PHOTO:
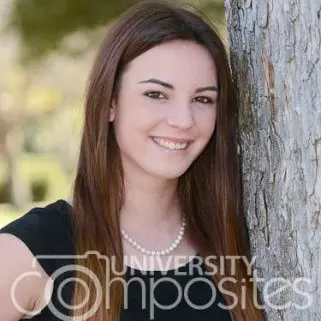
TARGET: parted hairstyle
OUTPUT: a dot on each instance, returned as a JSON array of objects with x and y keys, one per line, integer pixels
[{"x": 209, "y": 191}]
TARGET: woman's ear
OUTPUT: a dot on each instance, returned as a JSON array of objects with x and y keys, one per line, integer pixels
[{"x": 112, "y": 111}]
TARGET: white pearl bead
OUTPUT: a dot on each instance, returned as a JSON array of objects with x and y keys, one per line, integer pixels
[{"x": 160, "y": 252}]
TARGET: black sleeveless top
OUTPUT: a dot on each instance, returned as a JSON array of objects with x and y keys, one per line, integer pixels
[{"x": 176, "y": 296}]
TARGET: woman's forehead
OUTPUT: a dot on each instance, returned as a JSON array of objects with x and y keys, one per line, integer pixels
[{"x": 176, "y": 61}]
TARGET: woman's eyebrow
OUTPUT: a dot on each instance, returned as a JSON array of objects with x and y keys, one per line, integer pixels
[
  {"x": 211, "y": 88},
  {"x": 167, "y": 85}
]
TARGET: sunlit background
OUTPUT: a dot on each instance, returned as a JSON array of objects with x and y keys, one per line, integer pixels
[{"x": 46, "y": 51}]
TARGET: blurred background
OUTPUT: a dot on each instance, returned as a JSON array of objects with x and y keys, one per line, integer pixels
[{"x": 46, "y": 51}]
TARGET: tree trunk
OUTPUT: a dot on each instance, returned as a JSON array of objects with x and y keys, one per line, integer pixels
[{"x": 275, "y": 58}]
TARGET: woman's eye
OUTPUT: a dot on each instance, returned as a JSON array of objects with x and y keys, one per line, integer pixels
[
  {"x": 154, "y": 94},
  {"x": 204, "y": 100}
]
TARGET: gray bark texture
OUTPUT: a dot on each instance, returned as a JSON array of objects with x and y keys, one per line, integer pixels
[{"x": 275, "y": 58}]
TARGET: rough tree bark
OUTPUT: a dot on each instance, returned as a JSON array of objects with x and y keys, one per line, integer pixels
[{"x": 275, "y": 58}]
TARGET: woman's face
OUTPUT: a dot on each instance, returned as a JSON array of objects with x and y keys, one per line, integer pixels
[{"x": 166, "y": 109}]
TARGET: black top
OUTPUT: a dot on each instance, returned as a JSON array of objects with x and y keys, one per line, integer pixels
[{"x": 169, "y": 295}]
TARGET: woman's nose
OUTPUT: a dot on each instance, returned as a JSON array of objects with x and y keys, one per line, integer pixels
[{"x": 181, "y": 116}]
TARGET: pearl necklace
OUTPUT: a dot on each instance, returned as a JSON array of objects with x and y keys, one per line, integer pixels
[{"x": 166, "y": 251}]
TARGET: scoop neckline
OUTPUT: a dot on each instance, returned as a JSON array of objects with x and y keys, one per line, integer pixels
[{"x": 136, "y": 270}]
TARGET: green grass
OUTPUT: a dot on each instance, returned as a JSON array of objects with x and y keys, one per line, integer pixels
[
  {"x": 8, "y": 216},
  {"x": 36, "y": 168},
  {"x": 43, "y": 169}
]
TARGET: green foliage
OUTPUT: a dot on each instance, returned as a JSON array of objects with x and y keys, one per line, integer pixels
[
  {"x": 42, "y": 24},
  {"x": 44, "y": 175},
  {"x": 45, "y": 169},
  {"x": 39, "y": 190},
  {"x": 4, "y": 192}
]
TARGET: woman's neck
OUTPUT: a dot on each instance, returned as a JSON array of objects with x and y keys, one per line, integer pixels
[
  {"x": 152, "y": 216},
  {"x": 151, "y": 203}
]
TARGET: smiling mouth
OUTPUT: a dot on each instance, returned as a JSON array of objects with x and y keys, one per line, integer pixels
[{"x": 170, "y": 144}]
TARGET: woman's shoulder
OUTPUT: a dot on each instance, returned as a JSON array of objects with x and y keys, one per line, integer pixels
[
  {"x": 50, "y": 221},
  {"x": 46, "y": 231}
]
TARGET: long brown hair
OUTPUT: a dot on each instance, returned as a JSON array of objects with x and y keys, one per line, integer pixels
[{"x": 209, "y": 192}]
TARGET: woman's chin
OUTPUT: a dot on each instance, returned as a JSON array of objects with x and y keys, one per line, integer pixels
[{"x": 170, "y": 173}]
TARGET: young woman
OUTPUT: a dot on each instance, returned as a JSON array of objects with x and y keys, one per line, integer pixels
[{"x": 157, "y": 180}]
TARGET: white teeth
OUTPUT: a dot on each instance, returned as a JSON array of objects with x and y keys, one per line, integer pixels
[{"x": 169, "y": 144}]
